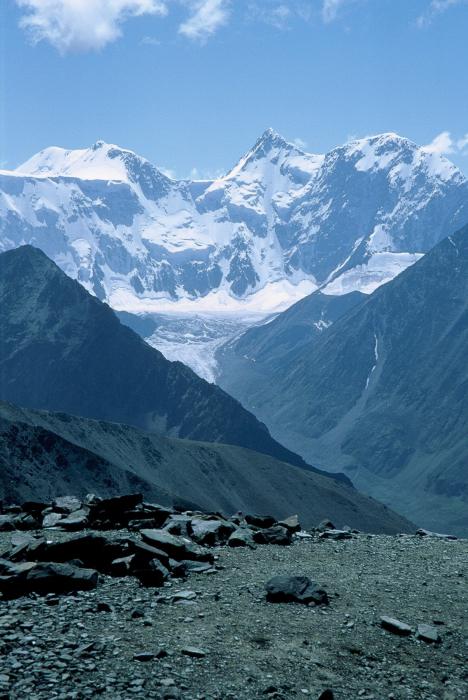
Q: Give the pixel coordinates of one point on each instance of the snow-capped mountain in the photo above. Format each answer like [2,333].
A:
[276,227]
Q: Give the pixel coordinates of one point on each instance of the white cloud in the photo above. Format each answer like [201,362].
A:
[82,25]
[442,144]
[330,9]
[196,174]
[168,172]
[435,8]
[300,143]
[279,14]
[206,18]
[462,144]
[150,41]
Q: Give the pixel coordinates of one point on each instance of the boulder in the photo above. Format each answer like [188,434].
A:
[122,566]
[143,553]
[178,525]
[428,634]
[66,504]
[26,547]
[8,568]
[295,589]
[273,535]
[52,577]
[51,519]
[77,520]
[44,577]
[176,547]
[95,551]
[261,521]
[34,508]
[26,521]
[242,537]
[112,512]
[210,533]
[292,524]
[325,525]
[7,522]
[153,573]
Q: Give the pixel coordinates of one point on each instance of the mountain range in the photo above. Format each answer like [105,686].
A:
[113,409]
[376,386]
[313,288]
[278,225]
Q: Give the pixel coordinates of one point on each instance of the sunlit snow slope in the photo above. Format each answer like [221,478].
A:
[276,227]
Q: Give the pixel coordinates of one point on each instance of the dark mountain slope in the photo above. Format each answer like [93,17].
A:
[251,359]
[62,349]
[44,454]
[383,393]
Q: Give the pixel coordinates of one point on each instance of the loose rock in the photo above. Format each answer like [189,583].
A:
[296,589]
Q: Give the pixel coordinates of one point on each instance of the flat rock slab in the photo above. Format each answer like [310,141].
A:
[144,656]
[66,504]
[295,589]
[177,548]
[194,652]
[210,532]
[395,626]
[335,535]
[427,633]
[440,535]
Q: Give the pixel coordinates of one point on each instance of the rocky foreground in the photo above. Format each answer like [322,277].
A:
[140,601]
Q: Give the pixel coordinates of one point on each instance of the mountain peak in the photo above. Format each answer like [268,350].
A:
[27,252]
[101,161]
[271,139]
[99,144]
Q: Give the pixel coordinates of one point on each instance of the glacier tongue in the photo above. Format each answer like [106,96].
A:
[194,341]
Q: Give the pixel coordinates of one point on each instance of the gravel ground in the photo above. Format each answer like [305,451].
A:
[63,647]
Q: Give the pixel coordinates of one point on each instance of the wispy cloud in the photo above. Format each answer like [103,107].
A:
[300,143]
[150,41]
[444,144]
[435,8]
[462,144]
[205,174]
[330,9]
[206,18]
[279,14]
[82,25]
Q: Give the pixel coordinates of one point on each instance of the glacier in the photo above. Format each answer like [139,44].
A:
[215,256]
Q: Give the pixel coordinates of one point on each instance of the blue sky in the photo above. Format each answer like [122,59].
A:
[191,84]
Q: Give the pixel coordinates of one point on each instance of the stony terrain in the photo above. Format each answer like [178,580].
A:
[214,635]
